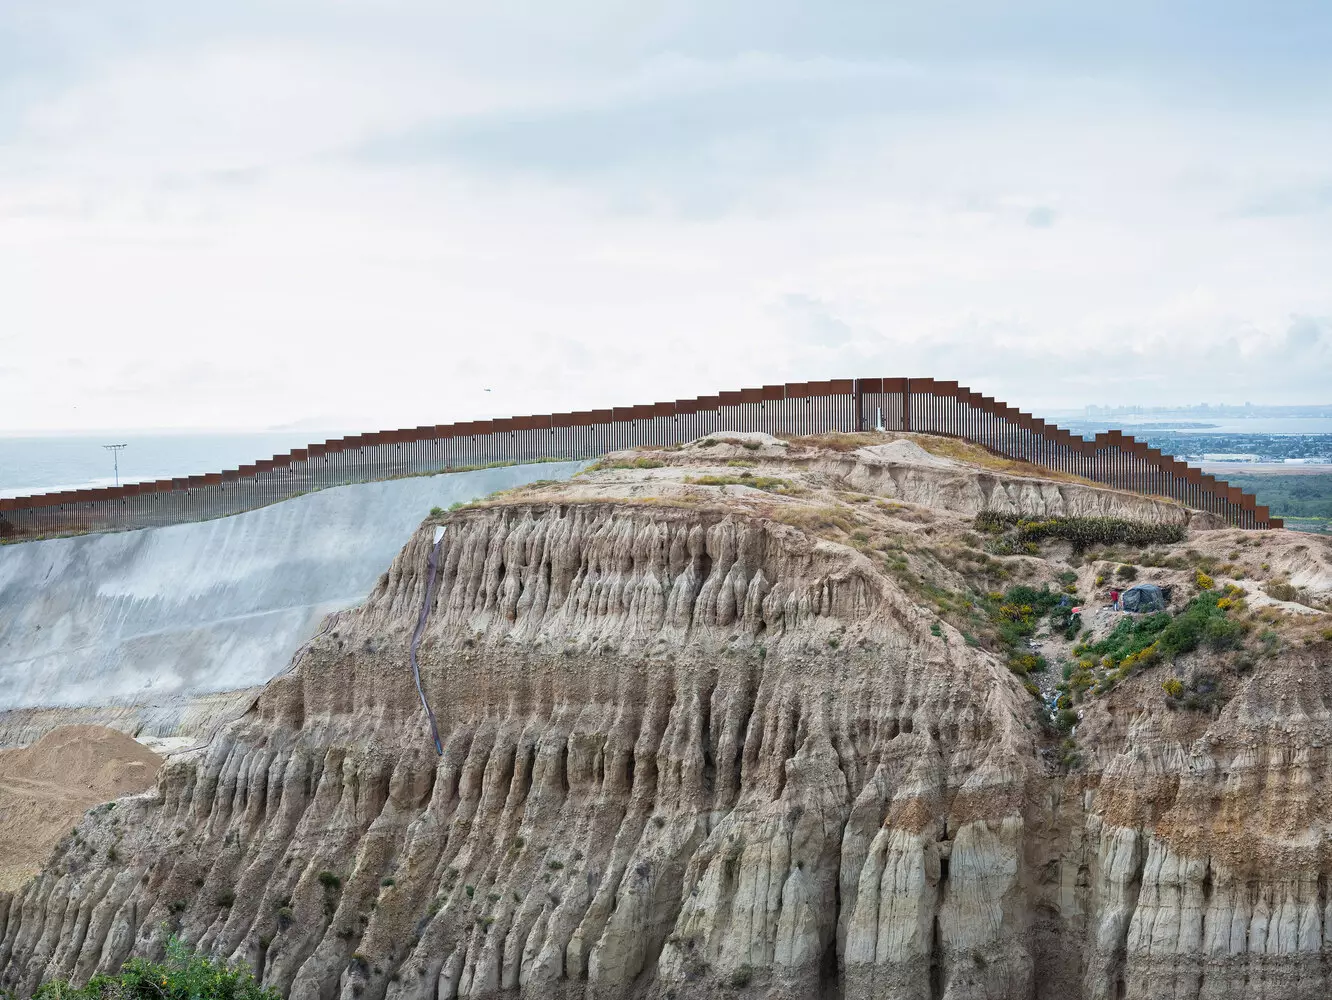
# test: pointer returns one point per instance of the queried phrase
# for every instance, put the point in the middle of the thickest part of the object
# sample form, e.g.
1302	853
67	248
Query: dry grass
838	441
944	447
818	520
769	484
974	454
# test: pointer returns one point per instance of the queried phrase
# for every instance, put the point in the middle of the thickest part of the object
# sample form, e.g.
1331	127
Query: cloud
1041	217
265	215
1307	333
1290	199
815	322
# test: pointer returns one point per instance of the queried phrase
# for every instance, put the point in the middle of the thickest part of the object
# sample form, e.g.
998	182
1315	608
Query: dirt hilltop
753	717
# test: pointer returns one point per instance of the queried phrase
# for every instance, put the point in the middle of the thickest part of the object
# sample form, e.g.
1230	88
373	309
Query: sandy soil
45	788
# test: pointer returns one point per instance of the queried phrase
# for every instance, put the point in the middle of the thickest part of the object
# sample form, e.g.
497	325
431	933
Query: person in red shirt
1114	599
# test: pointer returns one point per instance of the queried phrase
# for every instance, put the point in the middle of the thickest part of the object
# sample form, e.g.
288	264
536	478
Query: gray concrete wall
159	618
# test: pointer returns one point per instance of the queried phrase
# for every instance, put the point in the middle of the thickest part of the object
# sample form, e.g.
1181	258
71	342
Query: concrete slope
159	620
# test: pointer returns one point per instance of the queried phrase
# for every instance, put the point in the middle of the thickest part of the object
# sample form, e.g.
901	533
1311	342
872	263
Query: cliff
727	721
171	631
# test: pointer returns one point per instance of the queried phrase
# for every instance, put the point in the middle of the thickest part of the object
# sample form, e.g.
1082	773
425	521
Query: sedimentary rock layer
705	750
694	749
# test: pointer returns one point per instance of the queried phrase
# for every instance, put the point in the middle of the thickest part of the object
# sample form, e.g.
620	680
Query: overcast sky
364	213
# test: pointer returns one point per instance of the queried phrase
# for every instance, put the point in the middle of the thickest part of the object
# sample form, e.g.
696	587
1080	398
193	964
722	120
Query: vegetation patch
1202	694
637	463
1282	590
1304	500
1156	637
817	520
1080	532
1017	613
836	441
182	976
769	484
1159	638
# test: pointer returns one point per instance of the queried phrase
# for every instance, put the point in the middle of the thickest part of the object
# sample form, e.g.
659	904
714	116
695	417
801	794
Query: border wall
923	405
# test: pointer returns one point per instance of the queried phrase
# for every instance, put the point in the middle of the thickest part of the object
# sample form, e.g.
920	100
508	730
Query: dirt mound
46	787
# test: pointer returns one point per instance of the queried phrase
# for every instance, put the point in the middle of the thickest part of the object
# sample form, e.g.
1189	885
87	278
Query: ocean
51	463
1213	425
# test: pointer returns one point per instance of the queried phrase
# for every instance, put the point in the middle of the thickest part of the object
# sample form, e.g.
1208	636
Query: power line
114	449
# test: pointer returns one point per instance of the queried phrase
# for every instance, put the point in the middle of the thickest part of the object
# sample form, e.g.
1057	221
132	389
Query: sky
359	214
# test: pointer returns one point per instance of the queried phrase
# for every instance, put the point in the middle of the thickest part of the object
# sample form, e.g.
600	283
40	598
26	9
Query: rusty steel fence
921	405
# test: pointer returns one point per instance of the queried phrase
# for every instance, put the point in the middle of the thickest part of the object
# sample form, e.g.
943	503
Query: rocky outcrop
697	751
694	748
905	471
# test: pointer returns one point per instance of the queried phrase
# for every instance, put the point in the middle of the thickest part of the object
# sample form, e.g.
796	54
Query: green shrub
182	976
225	898
1282	591
329	881
1027	663
742	977
1142	641
1202	694
1081	532
1019	610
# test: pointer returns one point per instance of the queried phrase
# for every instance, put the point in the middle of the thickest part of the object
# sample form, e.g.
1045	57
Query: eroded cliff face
692	748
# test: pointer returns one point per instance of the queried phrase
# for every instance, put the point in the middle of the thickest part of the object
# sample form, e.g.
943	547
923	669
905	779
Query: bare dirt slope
45	789
756	718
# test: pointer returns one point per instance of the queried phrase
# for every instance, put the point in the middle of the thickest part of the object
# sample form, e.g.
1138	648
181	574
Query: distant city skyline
1246	409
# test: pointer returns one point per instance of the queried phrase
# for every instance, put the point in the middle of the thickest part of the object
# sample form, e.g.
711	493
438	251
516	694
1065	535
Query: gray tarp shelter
1144	597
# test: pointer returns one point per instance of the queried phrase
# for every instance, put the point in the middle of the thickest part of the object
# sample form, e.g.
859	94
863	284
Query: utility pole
114	449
